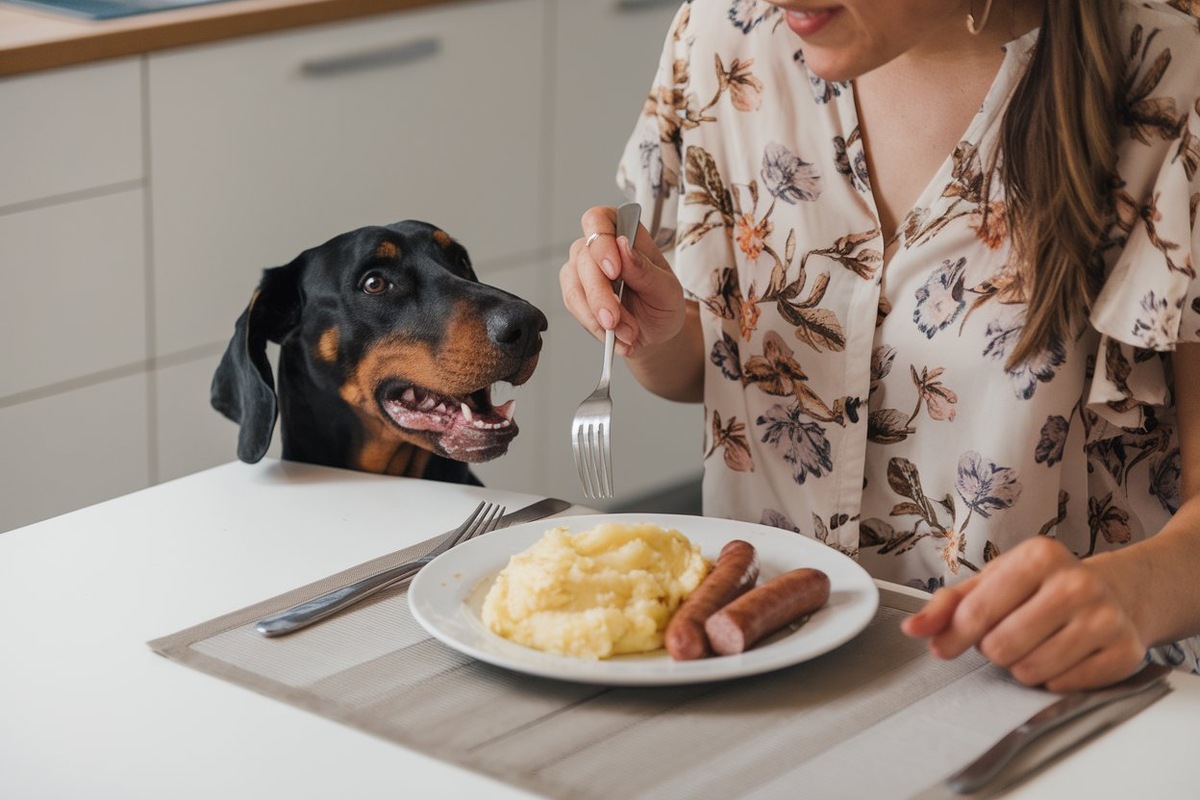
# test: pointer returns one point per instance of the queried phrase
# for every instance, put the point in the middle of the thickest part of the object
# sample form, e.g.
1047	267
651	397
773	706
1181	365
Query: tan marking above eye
387	250
327	345
443	238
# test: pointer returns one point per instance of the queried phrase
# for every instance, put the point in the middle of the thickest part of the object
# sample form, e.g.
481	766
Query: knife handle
977	774
318	608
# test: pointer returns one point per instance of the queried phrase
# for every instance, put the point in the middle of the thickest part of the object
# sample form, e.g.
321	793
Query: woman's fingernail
625	333
608	269
606	318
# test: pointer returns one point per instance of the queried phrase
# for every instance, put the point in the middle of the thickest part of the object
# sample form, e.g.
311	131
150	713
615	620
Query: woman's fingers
653	307
1005	585
1039	612
938	612
585	280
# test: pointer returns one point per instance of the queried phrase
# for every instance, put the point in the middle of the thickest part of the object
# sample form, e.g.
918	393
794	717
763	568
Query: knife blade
318	608
1036	742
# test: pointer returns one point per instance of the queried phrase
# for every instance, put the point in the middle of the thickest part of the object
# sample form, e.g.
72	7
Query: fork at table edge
301	615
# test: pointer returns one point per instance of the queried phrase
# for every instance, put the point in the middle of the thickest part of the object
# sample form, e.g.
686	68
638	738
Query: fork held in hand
592	428
482	519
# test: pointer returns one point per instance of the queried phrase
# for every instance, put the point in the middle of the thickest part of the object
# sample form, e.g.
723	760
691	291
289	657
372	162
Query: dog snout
516	327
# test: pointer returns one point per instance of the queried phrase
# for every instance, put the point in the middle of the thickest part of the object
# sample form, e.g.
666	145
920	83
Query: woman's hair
1057	164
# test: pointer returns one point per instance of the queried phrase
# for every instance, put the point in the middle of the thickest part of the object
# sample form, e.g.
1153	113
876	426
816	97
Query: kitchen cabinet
73	448
64	266
264	147
73	382
141	197
605	55
70	130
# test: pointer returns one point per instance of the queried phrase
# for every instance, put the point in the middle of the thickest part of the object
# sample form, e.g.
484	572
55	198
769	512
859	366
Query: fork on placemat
483	519
592	427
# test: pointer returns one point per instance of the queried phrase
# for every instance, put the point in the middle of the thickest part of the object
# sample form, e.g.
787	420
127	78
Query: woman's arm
1052	619
675	368
1159	579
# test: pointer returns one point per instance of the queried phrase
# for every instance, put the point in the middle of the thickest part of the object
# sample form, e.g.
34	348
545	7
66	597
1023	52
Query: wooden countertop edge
66	41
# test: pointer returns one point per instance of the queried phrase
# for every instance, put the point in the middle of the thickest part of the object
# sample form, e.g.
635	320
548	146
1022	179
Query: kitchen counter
32	40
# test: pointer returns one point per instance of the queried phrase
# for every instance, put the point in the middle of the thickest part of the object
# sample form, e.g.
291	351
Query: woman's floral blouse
864	398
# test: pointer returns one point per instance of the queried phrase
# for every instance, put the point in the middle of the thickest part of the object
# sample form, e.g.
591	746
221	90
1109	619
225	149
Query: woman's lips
807	23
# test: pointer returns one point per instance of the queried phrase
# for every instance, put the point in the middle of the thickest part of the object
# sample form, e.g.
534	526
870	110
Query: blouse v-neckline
994	101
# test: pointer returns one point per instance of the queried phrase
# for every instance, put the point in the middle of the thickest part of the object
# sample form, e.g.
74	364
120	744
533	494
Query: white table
127	723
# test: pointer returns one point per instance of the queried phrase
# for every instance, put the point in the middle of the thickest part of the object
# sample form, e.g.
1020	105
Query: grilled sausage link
735	572
764	610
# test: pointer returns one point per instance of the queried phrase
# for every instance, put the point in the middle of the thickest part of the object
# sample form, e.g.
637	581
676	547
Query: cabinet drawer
599	91
74	299
70	129
264	147
73	449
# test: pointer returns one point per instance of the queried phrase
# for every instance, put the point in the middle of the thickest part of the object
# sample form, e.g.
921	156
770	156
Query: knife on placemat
1051	733
318	608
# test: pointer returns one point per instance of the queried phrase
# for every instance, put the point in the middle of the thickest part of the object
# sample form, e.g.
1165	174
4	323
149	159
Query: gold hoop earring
974	28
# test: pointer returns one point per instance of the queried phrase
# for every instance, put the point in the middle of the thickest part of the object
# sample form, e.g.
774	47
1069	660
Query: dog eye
374	284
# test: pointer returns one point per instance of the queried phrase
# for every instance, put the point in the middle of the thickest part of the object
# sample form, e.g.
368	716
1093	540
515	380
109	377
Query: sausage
764	610
735	572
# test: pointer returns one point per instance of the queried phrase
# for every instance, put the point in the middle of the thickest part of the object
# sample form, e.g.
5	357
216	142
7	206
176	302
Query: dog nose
515	328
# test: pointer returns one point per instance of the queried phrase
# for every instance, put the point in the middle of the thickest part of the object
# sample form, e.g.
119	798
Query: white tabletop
127	723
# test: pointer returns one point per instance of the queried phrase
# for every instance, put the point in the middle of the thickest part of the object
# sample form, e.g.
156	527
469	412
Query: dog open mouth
467	428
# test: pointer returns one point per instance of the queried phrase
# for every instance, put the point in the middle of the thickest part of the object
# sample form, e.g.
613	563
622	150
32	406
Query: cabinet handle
624	6
393	55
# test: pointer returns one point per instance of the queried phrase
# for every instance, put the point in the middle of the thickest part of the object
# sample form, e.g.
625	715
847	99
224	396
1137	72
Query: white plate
447	594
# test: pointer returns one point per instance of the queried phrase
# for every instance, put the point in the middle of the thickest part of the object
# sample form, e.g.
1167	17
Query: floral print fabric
868	404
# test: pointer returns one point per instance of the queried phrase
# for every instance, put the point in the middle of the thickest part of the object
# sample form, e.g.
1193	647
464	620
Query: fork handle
628	216
304	614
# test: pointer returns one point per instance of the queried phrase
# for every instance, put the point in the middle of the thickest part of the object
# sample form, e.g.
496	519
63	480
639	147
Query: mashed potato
599	593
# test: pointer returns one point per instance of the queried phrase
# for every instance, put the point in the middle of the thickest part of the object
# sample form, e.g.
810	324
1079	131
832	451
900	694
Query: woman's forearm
1157	580
674	369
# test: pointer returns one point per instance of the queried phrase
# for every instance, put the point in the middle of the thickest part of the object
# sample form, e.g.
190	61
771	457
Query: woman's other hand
653	308
1046	616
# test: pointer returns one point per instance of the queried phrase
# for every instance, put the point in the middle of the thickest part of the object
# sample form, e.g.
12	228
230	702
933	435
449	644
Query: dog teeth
507	410
409	396
489	426
427	403
466	412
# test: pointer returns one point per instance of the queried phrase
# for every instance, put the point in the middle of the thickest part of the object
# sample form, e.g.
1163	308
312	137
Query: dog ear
243	387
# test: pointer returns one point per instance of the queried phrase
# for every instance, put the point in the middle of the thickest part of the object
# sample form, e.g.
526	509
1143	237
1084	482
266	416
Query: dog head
386	338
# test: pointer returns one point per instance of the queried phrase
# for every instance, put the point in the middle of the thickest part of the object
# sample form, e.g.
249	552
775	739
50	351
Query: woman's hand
653	308
1041	613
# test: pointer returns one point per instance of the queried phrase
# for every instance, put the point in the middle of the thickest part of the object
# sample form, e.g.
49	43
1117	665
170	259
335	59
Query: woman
934	273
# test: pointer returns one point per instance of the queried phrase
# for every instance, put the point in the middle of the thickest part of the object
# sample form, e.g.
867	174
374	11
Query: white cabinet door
70	130
73	449
606	52
263	147
74	297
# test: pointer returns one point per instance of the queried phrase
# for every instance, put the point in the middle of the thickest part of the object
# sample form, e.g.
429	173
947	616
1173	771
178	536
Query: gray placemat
878	717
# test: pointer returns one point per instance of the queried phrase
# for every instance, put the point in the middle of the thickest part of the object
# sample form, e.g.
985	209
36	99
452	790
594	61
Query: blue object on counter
110	9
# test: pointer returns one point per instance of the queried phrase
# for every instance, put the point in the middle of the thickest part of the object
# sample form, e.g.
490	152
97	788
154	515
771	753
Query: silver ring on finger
591	238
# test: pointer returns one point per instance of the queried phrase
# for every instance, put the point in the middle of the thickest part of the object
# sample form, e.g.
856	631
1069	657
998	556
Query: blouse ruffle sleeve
1151	300
649	169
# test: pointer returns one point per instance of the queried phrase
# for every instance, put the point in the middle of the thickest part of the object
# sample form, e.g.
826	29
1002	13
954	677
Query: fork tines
592	460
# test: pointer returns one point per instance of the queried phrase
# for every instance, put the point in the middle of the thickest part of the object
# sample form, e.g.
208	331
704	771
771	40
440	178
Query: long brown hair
1057	163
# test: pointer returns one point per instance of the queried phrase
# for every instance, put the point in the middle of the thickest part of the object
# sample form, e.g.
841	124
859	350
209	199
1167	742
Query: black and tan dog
389	347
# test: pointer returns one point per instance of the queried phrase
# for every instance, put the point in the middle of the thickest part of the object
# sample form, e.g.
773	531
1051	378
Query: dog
389	347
